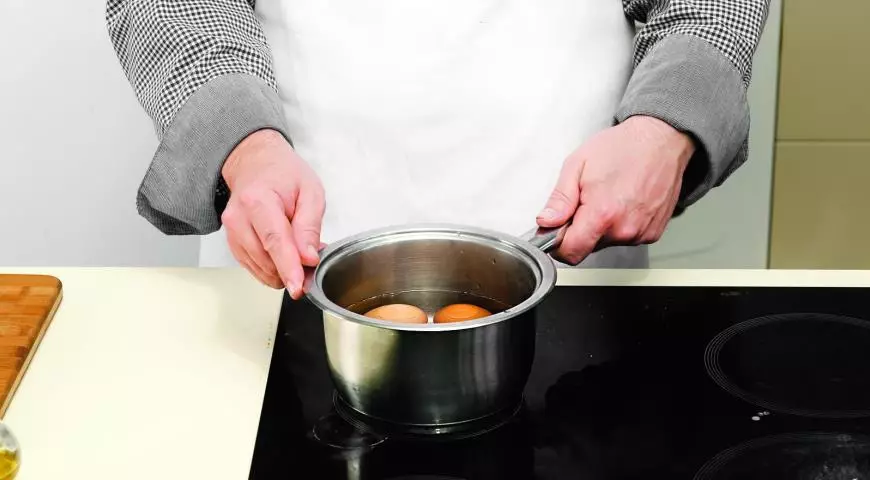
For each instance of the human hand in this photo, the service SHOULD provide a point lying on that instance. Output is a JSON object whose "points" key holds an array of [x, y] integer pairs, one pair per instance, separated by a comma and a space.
{"points": [[275, 210], [620, 187]]}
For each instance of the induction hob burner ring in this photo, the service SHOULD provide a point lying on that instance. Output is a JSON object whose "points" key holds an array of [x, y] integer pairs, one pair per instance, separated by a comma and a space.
{"points": [[447, 432], [804, 364], [793, 455]]}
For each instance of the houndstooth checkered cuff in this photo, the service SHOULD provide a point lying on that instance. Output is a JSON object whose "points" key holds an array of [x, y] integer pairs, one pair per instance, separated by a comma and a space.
{"points": [[177, 194], [688, 83]]}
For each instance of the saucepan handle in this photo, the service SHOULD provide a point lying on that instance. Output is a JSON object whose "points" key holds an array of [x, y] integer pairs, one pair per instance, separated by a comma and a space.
{"points": [[547, 239]]}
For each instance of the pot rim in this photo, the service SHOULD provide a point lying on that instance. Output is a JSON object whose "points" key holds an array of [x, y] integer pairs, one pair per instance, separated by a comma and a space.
{"points": [[545, 273]]}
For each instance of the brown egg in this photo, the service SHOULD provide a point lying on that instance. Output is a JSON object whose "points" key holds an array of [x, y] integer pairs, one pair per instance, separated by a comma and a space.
{"points": [[398, 312], [460, 312]]}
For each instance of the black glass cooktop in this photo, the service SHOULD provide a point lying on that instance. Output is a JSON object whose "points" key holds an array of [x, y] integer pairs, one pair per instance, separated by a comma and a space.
{"points": [[628, 383]]}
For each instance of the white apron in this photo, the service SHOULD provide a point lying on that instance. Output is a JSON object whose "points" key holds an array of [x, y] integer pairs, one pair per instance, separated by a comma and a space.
{"points": [[457, 111]]}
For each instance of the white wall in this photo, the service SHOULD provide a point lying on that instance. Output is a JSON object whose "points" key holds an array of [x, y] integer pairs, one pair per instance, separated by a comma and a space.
{"points": [[74, 144], [730, 227]]}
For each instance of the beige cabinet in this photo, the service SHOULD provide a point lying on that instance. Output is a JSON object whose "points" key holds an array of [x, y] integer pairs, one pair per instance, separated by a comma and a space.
{"points": [[821, 206], [824, 71], [820, 214]]}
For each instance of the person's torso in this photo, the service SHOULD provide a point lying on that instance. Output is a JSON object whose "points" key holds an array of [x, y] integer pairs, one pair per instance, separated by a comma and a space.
{"points": [[457, 111]]}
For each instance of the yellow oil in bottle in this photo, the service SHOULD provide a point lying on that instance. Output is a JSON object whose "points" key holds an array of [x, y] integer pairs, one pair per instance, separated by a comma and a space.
{"points": [[8, 464], [10, 453]]}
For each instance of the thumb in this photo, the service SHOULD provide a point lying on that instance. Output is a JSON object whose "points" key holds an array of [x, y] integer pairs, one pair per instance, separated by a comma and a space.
{"points": [[306, 222], [564, 199]]}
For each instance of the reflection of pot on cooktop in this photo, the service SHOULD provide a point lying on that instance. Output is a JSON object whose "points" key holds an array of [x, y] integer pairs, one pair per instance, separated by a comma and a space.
{"points": [[807, 364], [347, 451]]}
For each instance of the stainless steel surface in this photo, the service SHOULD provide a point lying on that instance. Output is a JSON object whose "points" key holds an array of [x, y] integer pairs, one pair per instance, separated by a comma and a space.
{"points": [[431, 374], [547, 239]]}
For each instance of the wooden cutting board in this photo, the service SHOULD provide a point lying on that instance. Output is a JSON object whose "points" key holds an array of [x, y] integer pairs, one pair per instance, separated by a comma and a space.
{"points": [[27, 304]]}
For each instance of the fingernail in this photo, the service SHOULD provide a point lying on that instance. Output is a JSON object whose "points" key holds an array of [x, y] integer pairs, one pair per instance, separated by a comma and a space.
{"points": [[312, 252], [292, 289], [548, 214], [296, 284]]}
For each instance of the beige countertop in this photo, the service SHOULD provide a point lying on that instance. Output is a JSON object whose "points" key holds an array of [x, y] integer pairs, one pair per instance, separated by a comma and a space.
{"points": [[147, 373], [160, 373]]}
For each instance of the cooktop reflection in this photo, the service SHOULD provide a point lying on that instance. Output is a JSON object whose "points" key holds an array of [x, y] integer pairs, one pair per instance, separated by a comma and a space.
{"points": [[628, 383]]}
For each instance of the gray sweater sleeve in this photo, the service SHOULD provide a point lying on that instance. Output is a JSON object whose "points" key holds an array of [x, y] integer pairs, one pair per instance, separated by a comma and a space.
{"points": [[693, 63], [202, 71], [177, 194]]}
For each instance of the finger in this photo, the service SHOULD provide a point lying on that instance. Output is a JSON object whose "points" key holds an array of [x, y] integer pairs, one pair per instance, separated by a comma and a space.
{"points": [[583, 235], [565, 198], [244, 259], [306, 221], [273, 229], [656, 228], [246, 247], [654, 231], [627, 229], [270, 278], [246, 238], [659, 223]]}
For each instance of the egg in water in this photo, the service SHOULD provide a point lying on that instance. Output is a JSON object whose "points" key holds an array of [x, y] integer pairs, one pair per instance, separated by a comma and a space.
{"points": [[460, 312], [398, 312]]}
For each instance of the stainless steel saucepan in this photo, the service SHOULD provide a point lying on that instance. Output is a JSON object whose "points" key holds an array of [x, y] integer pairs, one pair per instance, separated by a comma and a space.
{"points": [[433, 376]]}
